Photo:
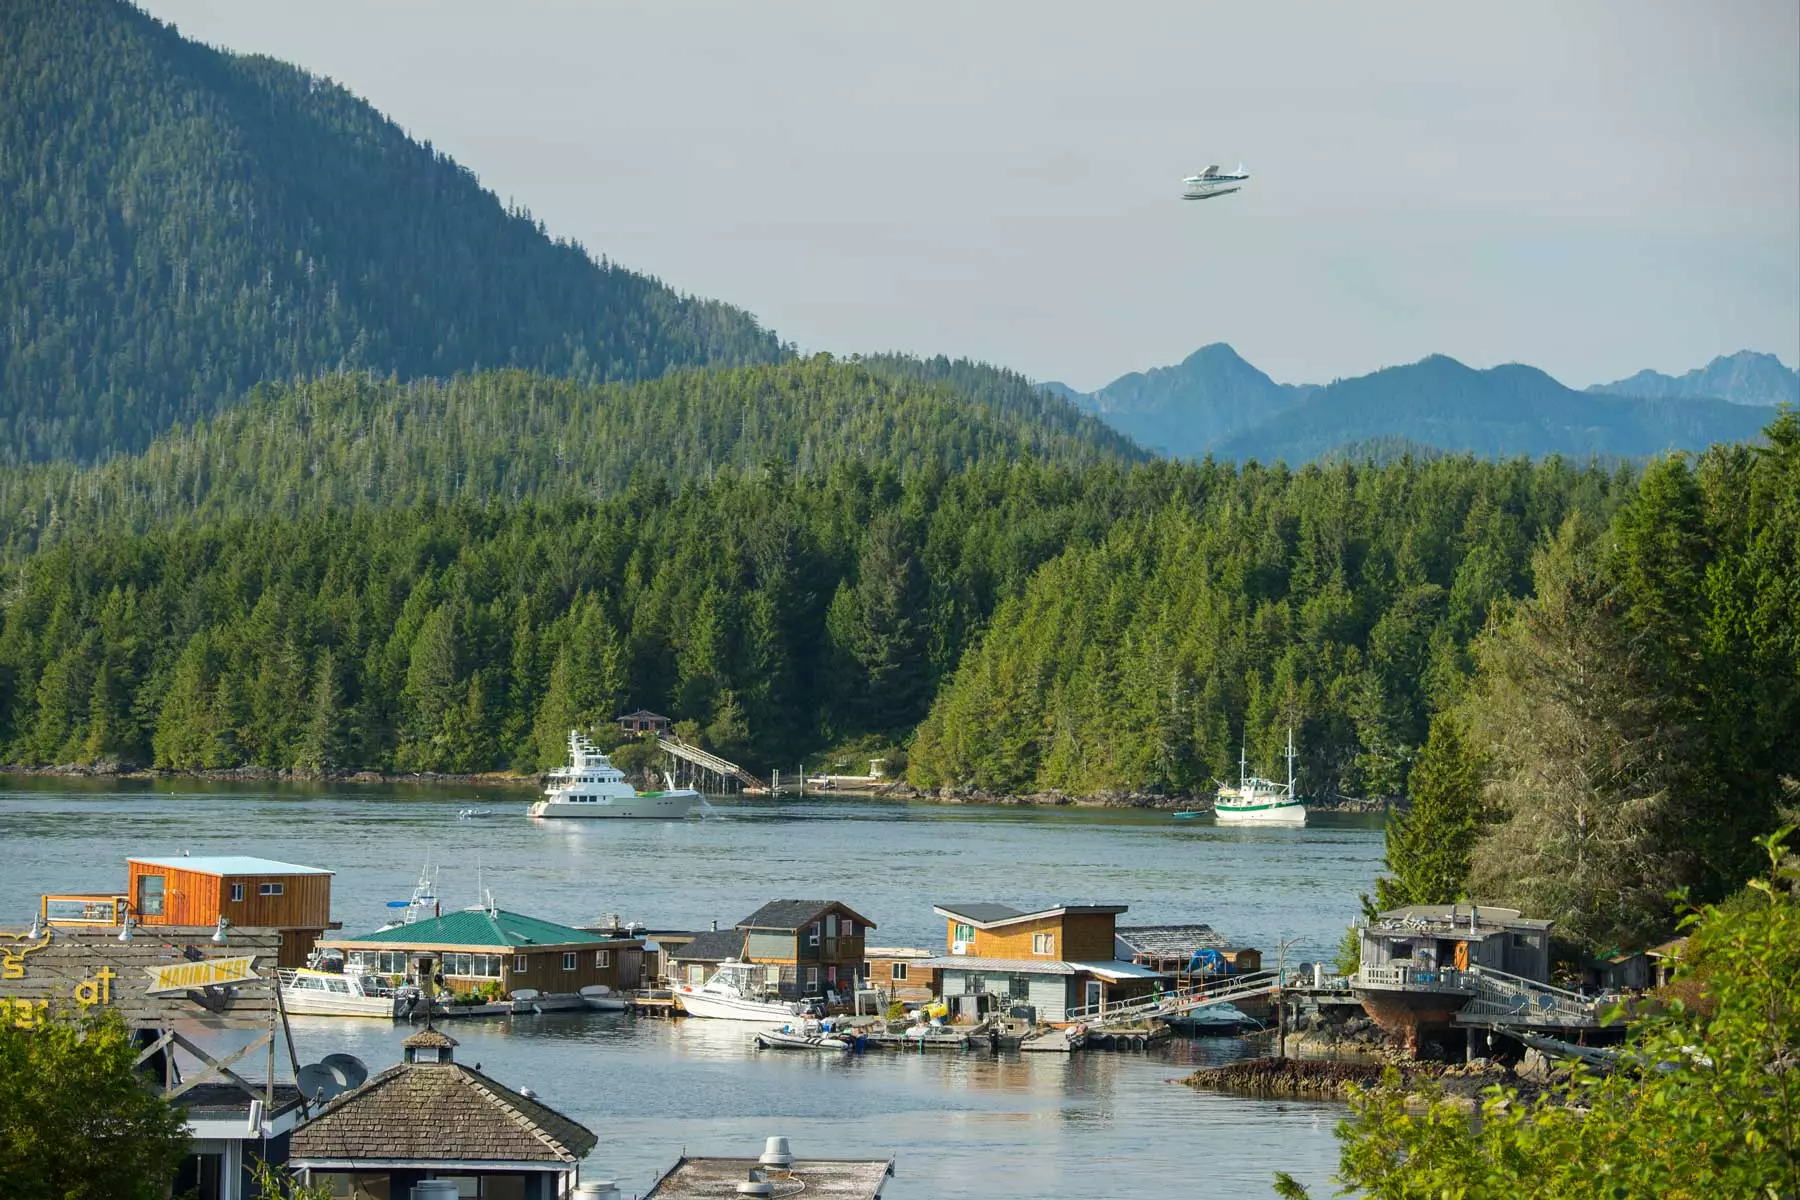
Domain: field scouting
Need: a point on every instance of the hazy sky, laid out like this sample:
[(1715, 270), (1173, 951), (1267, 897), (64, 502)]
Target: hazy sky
[(1590, 187)]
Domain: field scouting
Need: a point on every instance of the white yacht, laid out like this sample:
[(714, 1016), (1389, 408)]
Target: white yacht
[(590, 786), (1257, 801), (349, 994), (731, 995)]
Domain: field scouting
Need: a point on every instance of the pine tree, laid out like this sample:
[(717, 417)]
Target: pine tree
[(1430, 841), (324, 744)]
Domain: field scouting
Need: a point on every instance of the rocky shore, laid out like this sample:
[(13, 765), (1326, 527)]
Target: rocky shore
[(1323, 1079)]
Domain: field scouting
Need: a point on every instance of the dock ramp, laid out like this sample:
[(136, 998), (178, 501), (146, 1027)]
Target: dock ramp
[(1183, 999), (718, 774)]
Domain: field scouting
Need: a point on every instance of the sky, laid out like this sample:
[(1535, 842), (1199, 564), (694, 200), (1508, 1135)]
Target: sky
[(1592, 187)]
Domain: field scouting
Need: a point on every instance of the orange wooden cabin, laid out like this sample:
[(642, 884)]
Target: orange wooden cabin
[(191, 892)]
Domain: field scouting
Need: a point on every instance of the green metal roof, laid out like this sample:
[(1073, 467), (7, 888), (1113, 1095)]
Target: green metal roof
[(478, 927)]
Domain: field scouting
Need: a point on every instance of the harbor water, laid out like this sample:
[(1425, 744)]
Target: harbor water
[(1094, 1124)]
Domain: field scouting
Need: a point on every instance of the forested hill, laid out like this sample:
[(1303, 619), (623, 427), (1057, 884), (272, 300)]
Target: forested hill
[(352, 440), (180, 224)]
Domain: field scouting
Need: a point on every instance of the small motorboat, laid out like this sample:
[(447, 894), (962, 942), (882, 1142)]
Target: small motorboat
[(809, 1035), (469, 814), (1186, 813), (599, 996)]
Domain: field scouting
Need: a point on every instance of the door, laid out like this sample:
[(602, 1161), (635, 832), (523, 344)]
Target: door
[(1462, 956), (1095, 993)]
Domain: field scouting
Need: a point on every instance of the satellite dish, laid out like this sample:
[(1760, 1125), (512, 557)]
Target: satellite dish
[(318, 1081), (348, 1068)]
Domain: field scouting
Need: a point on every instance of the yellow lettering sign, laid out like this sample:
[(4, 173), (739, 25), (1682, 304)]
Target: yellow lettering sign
[(203, 973), (12, 958)]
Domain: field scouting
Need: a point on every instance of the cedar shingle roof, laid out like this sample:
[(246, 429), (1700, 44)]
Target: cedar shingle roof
[(797, 914), (443, 1112), (431, 1037)]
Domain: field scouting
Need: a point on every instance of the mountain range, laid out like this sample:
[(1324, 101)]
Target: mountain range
[(1214, 402)]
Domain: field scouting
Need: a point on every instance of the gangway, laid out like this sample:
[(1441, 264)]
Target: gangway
[(725, 772), (1501, 1000), (1183, 999)]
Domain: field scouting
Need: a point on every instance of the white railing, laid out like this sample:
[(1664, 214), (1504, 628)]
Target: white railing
[(1403, 975), (1184, 999)]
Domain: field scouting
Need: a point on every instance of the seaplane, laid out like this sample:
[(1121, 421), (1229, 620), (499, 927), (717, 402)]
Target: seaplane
[(1213, 182)]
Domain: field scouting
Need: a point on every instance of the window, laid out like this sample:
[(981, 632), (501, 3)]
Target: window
[(849, 927), (150, 895), (812, 979), (1400, 950), (602, 959), (1018, 987), (1043, 943), (270, 889), (897, 972), (237, 893), (568, 960), (964, 933), (465, 966), (813, 940), (520, 963)]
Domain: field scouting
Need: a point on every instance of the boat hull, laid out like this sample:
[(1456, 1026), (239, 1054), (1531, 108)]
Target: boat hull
[(1269, 814), (326, 1004), (697, 1002), (776, 1040), (647, 806)]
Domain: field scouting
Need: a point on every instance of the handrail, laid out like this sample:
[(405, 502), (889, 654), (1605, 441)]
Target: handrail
[(1236, 987)]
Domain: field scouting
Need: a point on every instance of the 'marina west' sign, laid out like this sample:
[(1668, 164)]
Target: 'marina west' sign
[(164, 974)]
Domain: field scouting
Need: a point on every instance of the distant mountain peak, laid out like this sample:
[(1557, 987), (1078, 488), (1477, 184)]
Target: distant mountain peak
[(1747, 377)]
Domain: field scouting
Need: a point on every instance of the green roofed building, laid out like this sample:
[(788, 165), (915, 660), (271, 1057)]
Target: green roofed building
[(479, 947)]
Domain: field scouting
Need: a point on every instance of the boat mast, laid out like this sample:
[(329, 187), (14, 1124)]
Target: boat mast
[(1290, 760), (1243, 760)]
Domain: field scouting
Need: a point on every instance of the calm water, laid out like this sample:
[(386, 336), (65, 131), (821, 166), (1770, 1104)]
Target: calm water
[(969, 1125)]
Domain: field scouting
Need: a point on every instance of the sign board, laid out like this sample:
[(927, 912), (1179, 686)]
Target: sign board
[(207, 972), (164, 974)]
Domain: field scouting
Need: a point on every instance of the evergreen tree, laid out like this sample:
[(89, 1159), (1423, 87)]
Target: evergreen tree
[(1430, 841), (325, 745)]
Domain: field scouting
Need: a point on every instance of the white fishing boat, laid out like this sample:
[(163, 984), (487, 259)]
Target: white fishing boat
[(590, 786), (732, 995), (1258, 801), (309, 990)]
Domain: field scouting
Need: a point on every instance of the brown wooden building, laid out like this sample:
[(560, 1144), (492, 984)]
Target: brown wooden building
[(812, 946), (644, 721), (1068, 932), (244, 892), (901, 972), (481, 946)]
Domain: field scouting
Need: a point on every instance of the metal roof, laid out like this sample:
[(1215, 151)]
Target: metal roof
[(1481, 919), (987, 916), (230, 864), (1118, 970), (796, 914), (477, 928), (1009, 966)]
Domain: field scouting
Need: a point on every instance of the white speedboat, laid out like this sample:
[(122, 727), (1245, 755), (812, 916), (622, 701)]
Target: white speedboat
[(350, 994), (731, 995), (590, 786), (1257, 801)]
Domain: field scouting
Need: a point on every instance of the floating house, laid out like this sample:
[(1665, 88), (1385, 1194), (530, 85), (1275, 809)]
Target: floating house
[(223, 891), (1423, 964), (433, 1118), (900, 972), (226, 1143), (775, 1172), (807, 947), (479, 947), (1059, 960)]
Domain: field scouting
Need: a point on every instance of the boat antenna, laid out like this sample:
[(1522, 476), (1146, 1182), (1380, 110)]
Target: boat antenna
[(1243, 761)]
